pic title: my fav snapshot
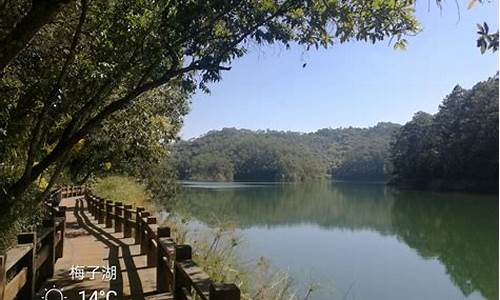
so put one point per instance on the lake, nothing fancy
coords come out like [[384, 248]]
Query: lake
[[361, 241]]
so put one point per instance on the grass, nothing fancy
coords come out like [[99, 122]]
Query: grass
[[215, 250], [120, 188]]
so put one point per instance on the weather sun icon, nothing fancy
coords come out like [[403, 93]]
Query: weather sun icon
[[53, 293]]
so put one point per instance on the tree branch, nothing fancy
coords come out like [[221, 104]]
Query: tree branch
[[37, 131], [41, 13]]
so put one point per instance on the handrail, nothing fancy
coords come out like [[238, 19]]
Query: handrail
[[24, 267], [176, 272]]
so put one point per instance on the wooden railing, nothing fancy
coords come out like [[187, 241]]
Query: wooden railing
[[25, 267], [176, 272], [31, 262]]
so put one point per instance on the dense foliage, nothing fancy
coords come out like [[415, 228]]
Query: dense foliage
[[232, 154], [132, 141], [458, 145], [67, 66]]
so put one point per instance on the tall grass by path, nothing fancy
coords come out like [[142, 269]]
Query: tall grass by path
[[121, 188]]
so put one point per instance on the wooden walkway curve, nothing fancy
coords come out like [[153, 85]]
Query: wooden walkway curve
[[93, 238]]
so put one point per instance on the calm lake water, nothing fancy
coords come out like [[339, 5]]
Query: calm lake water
[[361, 241]]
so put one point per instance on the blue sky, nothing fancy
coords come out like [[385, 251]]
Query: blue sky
[[353, 84]]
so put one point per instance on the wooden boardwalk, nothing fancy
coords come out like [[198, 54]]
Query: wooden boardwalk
[[90, 248], [89, 244]]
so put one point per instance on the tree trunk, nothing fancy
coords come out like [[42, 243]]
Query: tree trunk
[[41, 13]]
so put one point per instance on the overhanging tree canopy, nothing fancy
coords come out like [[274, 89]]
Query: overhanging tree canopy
[[97, 57]]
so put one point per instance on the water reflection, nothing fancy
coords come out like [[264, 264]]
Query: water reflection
[[461, 231]]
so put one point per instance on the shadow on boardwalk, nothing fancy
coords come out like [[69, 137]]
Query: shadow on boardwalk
[[91, 245]]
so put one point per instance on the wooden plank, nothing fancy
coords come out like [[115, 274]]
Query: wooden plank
[[42, 256], [43, 233], [59, 237], [198, 279], [16, 254], [16, 284], [168, 246], [153, 229], [60, 229], [28, 239], [59, 220], [224, 291]]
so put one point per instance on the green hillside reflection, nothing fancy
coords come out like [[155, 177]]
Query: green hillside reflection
[[460, 230]]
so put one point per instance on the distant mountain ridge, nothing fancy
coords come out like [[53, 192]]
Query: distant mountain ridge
[[241, 154]]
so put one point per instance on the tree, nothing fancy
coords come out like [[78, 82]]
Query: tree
[[99, 57], [344, 153], [132, 141], [411, 148], [485, 40], [24, 20], [457, 146]]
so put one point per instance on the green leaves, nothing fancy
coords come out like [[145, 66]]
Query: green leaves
[[350, 153], [400, 44], [129, 50], [459, 143], [486, 40]]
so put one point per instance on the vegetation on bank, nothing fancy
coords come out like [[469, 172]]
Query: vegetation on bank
[[215, 249], [120, 188], [456, 148], [239, 154]]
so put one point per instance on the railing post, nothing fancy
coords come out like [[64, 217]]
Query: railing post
[[59, 196], [28, 290], [95, 206], [48, 267], [138, 225], [163, 276], [127, 225], [3, 260], [109, 214], [150, 249], [182, 252], [118, 216], [223, 291], [88, 200], [59, 247], [144, 233], [100, 215]]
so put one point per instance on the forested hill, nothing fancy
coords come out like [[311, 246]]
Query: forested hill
[[456, 148], [241, 154]]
